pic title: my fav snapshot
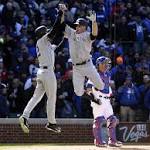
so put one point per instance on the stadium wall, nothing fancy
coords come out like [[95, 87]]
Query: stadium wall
[[73, 131]]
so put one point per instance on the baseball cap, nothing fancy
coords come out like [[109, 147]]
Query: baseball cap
[[40, 31], [81, 21]]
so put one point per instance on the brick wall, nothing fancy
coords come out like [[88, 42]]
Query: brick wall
[[81, 132], [73, 131], [11, 133]]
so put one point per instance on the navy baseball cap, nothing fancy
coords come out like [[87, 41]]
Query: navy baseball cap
[[82, 22], [40, 31]]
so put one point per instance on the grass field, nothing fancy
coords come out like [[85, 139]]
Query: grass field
[[68, 147]]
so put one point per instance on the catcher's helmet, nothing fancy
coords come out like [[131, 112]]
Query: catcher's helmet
[[81, 21], [104, 60], [40, 31]]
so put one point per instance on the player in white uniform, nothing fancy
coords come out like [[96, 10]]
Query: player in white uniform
[[102, 108], [46, 80], [80, 46]]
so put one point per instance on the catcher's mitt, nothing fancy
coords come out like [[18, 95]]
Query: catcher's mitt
[[93, 99]]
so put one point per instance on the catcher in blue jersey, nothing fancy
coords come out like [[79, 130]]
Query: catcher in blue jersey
[[102, 108]]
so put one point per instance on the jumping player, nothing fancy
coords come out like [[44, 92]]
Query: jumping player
[[80, 45], [102, 111], [46, 80]]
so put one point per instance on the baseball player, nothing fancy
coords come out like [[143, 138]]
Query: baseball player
[[46, 80], [102, 111], [80, 45]]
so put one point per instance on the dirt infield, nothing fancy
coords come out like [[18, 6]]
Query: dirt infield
[[71, 147]]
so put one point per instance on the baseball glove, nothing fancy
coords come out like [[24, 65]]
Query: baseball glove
[[93, 99]]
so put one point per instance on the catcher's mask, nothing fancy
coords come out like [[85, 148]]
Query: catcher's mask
[[40, 31], [104, 60]]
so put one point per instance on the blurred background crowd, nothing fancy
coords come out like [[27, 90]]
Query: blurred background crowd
[[124, 36]]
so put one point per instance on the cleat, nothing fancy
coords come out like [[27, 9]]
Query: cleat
[[24, 124], [115, 144], [103, 144], [53, 127]]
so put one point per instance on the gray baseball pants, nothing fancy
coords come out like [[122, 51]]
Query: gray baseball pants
[[46, 82]]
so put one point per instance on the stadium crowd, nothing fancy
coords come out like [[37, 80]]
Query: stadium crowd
[[124, 36]]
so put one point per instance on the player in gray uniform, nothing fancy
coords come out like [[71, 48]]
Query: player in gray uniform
[[46, 80], [80, 45]]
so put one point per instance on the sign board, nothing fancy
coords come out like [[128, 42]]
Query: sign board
[[134, 132]]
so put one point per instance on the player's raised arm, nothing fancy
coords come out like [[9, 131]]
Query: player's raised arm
[[67, 25], [58, 26], [56, 34], [92, 18]]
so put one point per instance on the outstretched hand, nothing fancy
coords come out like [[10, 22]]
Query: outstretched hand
[[92, 16]]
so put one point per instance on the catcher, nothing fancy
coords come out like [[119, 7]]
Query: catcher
[[102, 109]]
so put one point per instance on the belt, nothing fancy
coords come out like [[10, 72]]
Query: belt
[[82, 63], [106, 97], [44, 67], [47, 67]]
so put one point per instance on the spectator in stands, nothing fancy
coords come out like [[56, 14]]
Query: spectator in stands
[[128, 97], [11, 76], [138, 31], [43, 7], [118, 72], [143, 89], [147, 100], [8, 13], [65, 91], [138, 74], [146, 23], [20, 65], [101, 14], [15, 96], [4, 104], [3, 71], [122, 30], [67, 110]]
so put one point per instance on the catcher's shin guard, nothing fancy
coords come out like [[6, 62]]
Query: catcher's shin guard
[[112, 121], [98, 123]]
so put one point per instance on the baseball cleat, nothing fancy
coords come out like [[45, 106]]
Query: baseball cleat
[[24, 124], [103, 144], [53, 127], [115, 144]]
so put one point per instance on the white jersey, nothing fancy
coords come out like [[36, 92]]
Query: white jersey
[[105, 109], [98, 93], [79, 45], [45, 52]]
